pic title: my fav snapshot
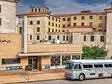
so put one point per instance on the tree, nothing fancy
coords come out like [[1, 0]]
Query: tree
[[94, 52]]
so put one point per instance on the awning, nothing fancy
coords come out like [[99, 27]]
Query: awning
[[48, 54]]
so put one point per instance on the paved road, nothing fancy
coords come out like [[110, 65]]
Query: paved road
[[92, 81]]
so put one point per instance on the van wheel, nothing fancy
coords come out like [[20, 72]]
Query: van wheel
[[81, 77]]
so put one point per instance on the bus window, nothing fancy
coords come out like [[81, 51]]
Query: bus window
[[77, 66], [108, 65], [87, 66], [98, 65]]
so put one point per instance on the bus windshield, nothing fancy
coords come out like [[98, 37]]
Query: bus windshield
[[69, 66]]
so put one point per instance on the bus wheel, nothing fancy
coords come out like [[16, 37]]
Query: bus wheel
[[81, 77]]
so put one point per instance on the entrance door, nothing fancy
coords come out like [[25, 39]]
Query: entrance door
[[33, 62]]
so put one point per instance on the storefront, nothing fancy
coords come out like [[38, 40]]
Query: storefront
[[41, 57]]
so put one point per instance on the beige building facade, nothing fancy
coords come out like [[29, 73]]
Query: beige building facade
[[7, 16]]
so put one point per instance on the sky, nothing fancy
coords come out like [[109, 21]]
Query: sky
[[64, 6]]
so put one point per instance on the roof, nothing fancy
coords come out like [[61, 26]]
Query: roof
[[32, 13], [79, 26], [108, 9], [92, 61], [84, 13]]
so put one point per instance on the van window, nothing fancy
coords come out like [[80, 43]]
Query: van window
[[87, 66], [98, 65]]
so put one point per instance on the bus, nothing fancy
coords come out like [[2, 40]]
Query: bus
[[85, 69]]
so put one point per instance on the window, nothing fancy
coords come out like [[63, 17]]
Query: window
[[0, 21], [92, 38], [55, 60], [49, 23], [38, 29], [38, 9], [91, 17], [59, 26], [48, 29], [75, 18], [108, 65], [38, 22], [84, 38], [32, 10], [63, 30], [58, 37], [87, 66], [63, 19], [49, 37], [20, 30], [82, 24], [77, 66], [52, 30], [98, 65], [68, 19], [56, 19], [31, 22], [30, 37], [56, 30], [65, 59], [11, 61], [63, 38], [63, 26], [56, 25], [91, 24], [100, 17], [82, 18], [35, 10], [67, 38], [52, 18], [101, 38], [38, 37], [52, 24], [0, 8], [49, 17], [75, 24]]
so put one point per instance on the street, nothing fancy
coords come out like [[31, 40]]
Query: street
[[91, 81]]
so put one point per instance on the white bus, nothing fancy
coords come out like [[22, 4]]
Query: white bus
[[84, 69]]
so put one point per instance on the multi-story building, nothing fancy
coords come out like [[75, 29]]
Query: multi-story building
[[23, 48], [83, 19], [41, 23], [16, 53]]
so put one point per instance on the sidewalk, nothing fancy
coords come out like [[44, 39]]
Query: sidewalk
[[31, 77]]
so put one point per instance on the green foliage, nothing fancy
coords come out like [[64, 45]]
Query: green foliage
[[94, 52]]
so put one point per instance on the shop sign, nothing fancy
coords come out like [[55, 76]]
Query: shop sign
[[5, 41]]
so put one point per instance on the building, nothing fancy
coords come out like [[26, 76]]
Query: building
[[41, 24], [16, 51], [7, 16], [46, 41]]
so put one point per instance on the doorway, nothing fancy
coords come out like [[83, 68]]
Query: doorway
[[33, 63]]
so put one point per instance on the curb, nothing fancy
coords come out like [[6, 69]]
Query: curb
[[35, 81]]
